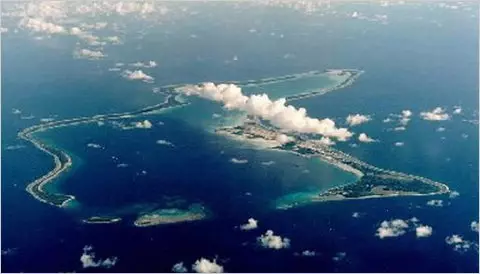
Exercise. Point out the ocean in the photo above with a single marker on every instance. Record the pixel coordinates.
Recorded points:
(404, 69)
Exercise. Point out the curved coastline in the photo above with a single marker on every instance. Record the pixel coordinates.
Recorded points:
(62, 160)
(301, 147)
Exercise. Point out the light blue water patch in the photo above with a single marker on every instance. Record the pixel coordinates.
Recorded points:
(281, 89)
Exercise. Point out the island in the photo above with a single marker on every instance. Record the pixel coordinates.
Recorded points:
(102, 220)
(62, 161)
(195, 212)
(372, 182)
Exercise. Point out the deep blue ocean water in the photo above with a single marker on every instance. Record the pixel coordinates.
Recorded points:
(409, 64)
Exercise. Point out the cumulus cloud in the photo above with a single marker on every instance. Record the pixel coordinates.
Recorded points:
(357, 119)
(88, 54)
(339, 256)
(326, 141)
(474, 226)
(282, 138)
(179, 268)
(458, 243)
(269, 240)
(454, 194)
(437, 203)
(205, 266)
(423, 231)
(268, 163)
(137, 75)
(39, 25)
(16, 111)
(143, 124)
(308, 253)
(387, 120)
(457, 110)
(238, 161)
(356, 215)
(401, 128)
(165, 143)
(283, 116)
(88, 259)
(149, 64)
(437, 114)
(365, 139)
(392, 228)
(251, 224)
(440, 129)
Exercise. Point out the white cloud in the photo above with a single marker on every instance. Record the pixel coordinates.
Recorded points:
(93, 145)
(399, 144)
(327, 141)
(437, 203)
(143, 124)
(474, 226)
(387, 120)
(440, 129)
(454, 194)
(357, 119)
(308, 253)
(165, 143)
(137, 75)
(39, 25)
(457, 110)
(268, 163)
(205, 266)
(3, 30)
(269, 240)
(365, 139)
(282, 139)
(16, 111)
(423, 231)
(280, 115)
(458, 243)
(392, 228)
(88, 54)
(437, 114)
(238, 161)
(113, 39)
(354, 14)
(399, 128)
(339, 256)
(251, 224)
(179, 268)
(406, 113)
(150, 64)
(88, 259)
(356, 215)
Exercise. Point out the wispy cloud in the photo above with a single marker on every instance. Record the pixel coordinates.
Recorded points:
(88, 259)
(39, 25)
(437, 203)
(149, 64)
(179, 268)
(88, 54)
(165, 143)
(238, 161)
